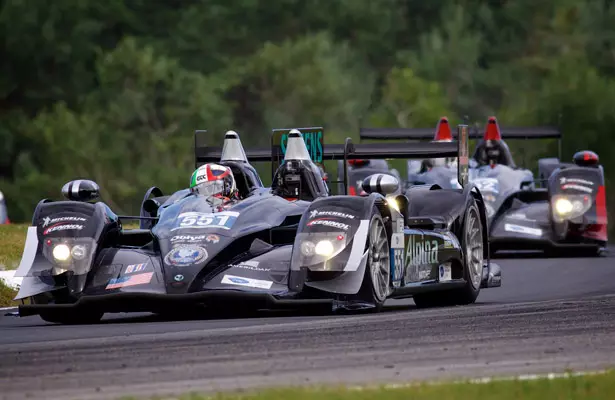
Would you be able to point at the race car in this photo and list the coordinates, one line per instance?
(288, 245)
(546, 214)
(4, 215)
(439, 171)
(564, 209)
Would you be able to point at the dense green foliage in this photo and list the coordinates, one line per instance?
(113, 90)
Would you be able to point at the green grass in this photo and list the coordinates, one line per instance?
(7, 295)
(595, 387)
(12, 239)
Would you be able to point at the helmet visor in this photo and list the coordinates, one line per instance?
(210, 188)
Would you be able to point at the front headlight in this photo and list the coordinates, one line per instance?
(563, 206)
(61, 252)
(318, 247)
(67, 254)
(567, 207)
(324, 248)
(79, 252)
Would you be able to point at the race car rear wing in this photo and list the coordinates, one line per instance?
(350, 151)
(524, 132)
(396, 133)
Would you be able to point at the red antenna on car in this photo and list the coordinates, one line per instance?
(492, 131)
(443, 131)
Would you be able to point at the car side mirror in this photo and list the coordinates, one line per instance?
(384, 184)
(81, 190)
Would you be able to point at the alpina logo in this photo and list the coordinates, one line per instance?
(420, 252)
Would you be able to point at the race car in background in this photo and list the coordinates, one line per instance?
(4, 215)
(358, 170)
(548, 213)
(563, 210)
(439, 171)
(266, 250)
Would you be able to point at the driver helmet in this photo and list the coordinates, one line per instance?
(492, 152)
(213, 180)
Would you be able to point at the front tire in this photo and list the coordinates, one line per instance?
(376, 285)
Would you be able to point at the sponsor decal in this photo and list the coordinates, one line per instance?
(424, 274)
(185, 255)
(422, 251)
(327, 213)
(212, 239)
(520, 216)
(397, 241)
(399, 225)
(132, 268)
(523, 229)
(328, 222)
(132, 280)
(63, 226)
(577, 187)
(197, 220)
(247, 282)
(188, 238)
(201, 178)
(564, 180)
(251, 265)
(178, 278)
(444, 272)
(397, 256)
(48, 220)
(487, 185)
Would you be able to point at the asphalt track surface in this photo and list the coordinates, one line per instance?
(550, 315)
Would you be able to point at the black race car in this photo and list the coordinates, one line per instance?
(267, 250)
(563, 210)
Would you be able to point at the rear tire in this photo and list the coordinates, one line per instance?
(376, 285)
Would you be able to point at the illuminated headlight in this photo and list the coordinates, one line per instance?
(324, 248)
(320, 250)
(61, 252)
(563, 206)
(79, 252)
(567, 207)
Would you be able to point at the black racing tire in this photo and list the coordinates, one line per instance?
(72, 317)
(469, 292)
(375, 291)
(472, 244)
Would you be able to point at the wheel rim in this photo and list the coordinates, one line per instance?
(474, 248)
(379, 260)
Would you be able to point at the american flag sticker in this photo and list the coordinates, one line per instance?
(135, 268)
(132, 280)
